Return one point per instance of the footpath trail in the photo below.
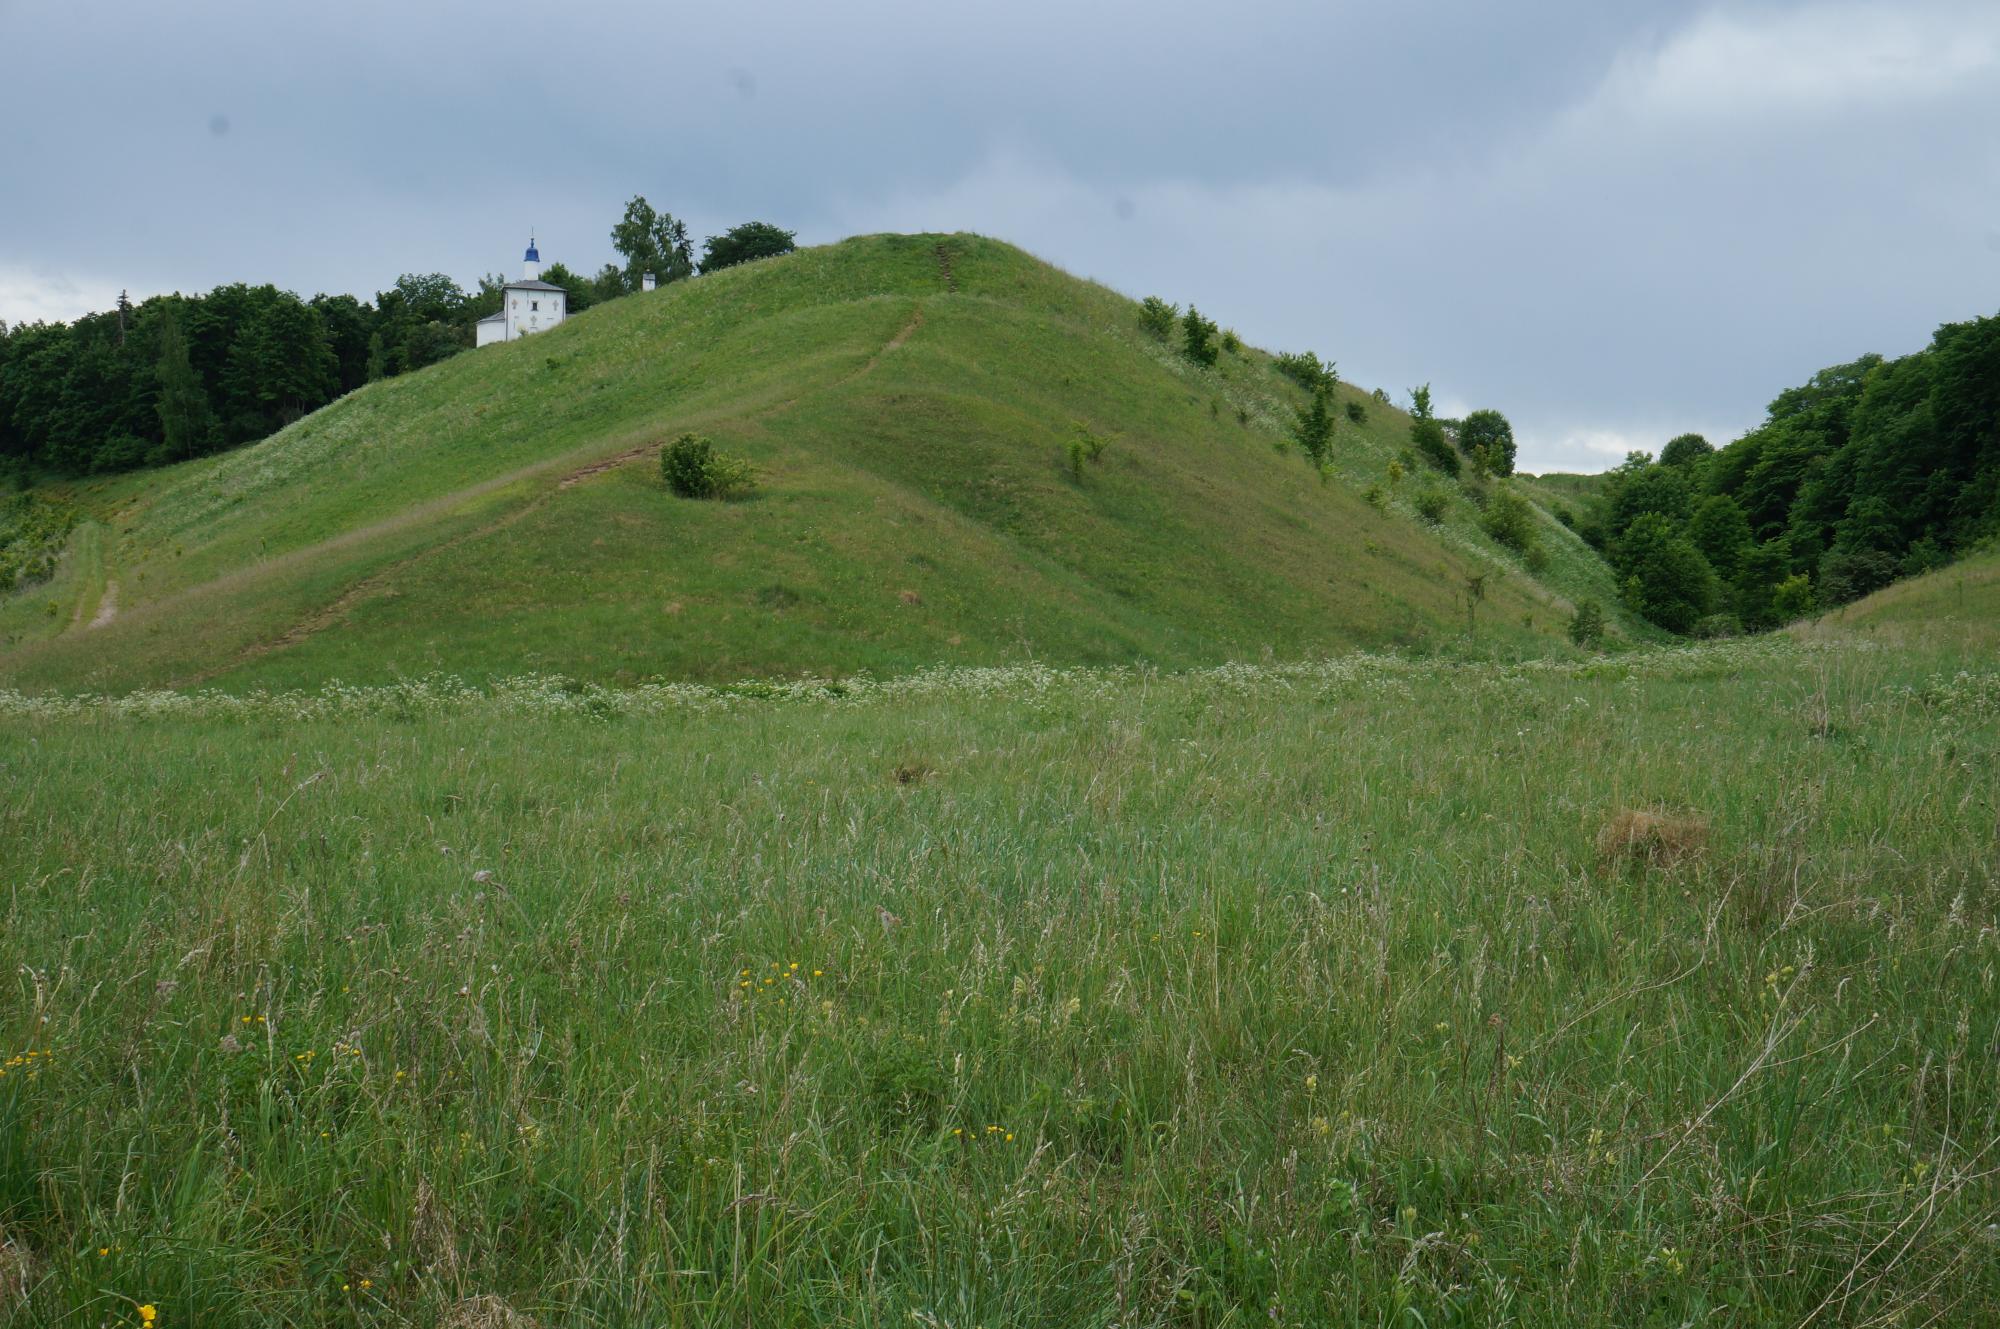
(107, 606)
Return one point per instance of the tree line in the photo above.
(178, 376)
(1866, 473)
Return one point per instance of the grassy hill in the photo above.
(1955, 609)
(910, 399)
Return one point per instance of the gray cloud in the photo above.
(1612, 221)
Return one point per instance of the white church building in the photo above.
(528, 305)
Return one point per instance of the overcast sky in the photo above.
(1613, 220)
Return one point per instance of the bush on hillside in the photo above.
(1158, 317)
(1487, 438)
(1427, 437)
(1085, 445)
(1231, 342)
(1357, 413)
(1307, 370)
(1793, 598)
(741, 244)
(1198, 338)
(1586, 629)
(1315, 430)
(1432, 504)
(693, 468)
(1510, 520)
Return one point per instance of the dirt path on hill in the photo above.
(107, 605)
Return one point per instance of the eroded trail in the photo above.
(107, 606)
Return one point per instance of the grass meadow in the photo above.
(1649, 990)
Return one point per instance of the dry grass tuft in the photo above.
(912, 771)
(1657, 839)
(17, 1271)
(485, 1312)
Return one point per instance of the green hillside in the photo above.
(1954, 608)
(910, 400)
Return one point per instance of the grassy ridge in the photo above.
(1955, 609)
(1293, 995)
(910, 398)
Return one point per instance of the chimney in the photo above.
(646, 281)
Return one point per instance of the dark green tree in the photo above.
(1488, 439)
(1722, 533)
(1315, 430)
(186, 423)
(1427, 437)
(582, 293)
(744, 244)
(1198, 338)
(1666, 579)
(1686, 450)
(654, 242)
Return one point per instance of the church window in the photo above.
(534, 304)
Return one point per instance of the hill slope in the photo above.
(1954, 608)
(910, 399)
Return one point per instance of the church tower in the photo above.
(531, 262)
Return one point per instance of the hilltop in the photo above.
(910, 400)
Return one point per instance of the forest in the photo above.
(1871, 471)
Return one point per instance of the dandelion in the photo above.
(148, 1313)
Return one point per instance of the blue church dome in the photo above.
(533, 255)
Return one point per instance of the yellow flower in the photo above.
(1010, 1137)
(367, 1282)
(148, 1313)
(104, 1250)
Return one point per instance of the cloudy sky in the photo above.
(1613, 221)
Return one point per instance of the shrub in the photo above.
(1315, 430)
(1357, 413)
(693, 468)
(1510, 520)
(1157, 316)
(1586, 627)
(1231, 342)
(1381, 396)
(1396, 472)
(1432, 504)
(1717, 625)
(1427, 437)
(1198, 338)
(1084, 446)
(1375, 497)
(741, 244)
(1306, 370)
(1793, 599)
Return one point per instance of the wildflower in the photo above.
(148, 1313)
(1322, 1127)
(1010, 1137)
(1410, 1215)
(1312, 1083)
(818, 972)
(367, 1283)
(104, 1250)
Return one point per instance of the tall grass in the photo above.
(1297, 995)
